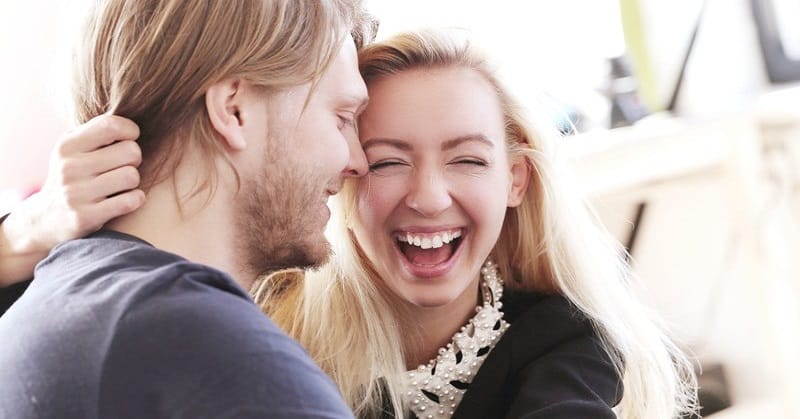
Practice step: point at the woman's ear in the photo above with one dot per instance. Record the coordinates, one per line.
(520, 176)
(223, 103)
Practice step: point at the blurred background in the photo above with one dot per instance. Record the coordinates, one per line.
(682, 126)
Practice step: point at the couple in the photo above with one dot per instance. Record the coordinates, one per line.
(464, 282)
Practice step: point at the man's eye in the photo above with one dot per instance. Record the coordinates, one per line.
(346, 121)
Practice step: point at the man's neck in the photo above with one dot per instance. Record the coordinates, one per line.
(198, 229)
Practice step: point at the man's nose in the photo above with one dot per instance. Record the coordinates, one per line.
(357, 160)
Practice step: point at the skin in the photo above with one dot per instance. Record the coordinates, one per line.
(435, 143)
(284, 210)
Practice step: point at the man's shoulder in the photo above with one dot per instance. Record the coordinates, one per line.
(109, 253)
(183, 300)
(116, 265)
(201, 349)
(164, 296)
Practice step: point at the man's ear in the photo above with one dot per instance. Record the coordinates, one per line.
(520, 176)
(224, 100)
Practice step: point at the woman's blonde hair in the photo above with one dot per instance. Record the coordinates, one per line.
(550, 243)
(153, 60)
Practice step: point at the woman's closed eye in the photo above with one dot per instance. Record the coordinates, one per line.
(383, 165)
(471, 162)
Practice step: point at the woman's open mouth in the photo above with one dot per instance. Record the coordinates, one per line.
(428, 250)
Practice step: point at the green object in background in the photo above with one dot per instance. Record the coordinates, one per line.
(636, 47)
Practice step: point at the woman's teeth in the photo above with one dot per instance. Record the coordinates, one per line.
(429, 241)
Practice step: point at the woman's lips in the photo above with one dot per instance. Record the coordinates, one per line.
(428, 261)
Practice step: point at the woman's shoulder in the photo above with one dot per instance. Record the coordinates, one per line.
(521, 304)
(540, 321)
(550, 362)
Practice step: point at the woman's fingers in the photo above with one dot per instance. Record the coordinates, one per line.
(113, 156)
(113, 182)
(98, 132)
(117, 205)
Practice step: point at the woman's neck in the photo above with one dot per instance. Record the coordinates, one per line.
(436, 326)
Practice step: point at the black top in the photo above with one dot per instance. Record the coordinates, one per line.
(548, 364)
(10, 294)
(112, 327)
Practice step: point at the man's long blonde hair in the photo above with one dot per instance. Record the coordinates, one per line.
(551, 243)
(153, 60)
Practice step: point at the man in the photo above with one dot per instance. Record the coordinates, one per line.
(243, 139)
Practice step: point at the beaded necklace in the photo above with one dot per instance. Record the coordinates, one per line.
(433, 391)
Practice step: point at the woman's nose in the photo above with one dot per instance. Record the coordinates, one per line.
(429, 194)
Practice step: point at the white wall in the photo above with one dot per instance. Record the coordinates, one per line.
(717, 248)
(35, 42)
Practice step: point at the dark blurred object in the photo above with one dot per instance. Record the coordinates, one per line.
(714, 394)
(623, 93)
(10, 294)
(635, 227)
(676, 91)
(781, 67)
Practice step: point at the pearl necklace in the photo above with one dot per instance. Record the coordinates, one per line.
(434, 390)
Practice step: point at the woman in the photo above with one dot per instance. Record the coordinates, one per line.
(465, 209)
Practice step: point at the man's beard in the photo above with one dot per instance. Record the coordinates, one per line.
(278, 221)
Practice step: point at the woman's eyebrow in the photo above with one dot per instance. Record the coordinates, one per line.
(455, 142)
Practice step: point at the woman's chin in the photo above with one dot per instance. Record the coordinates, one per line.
(430, 301)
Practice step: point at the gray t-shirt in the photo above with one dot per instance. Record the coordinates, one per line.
(112, 327)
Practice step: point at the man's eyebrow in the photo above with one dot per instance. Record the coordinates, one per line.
(391, 142)
(455, 142)
(362, 104)
(358, 101)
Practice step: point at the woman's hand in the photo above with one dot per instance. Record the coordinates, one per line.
(93, 177)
